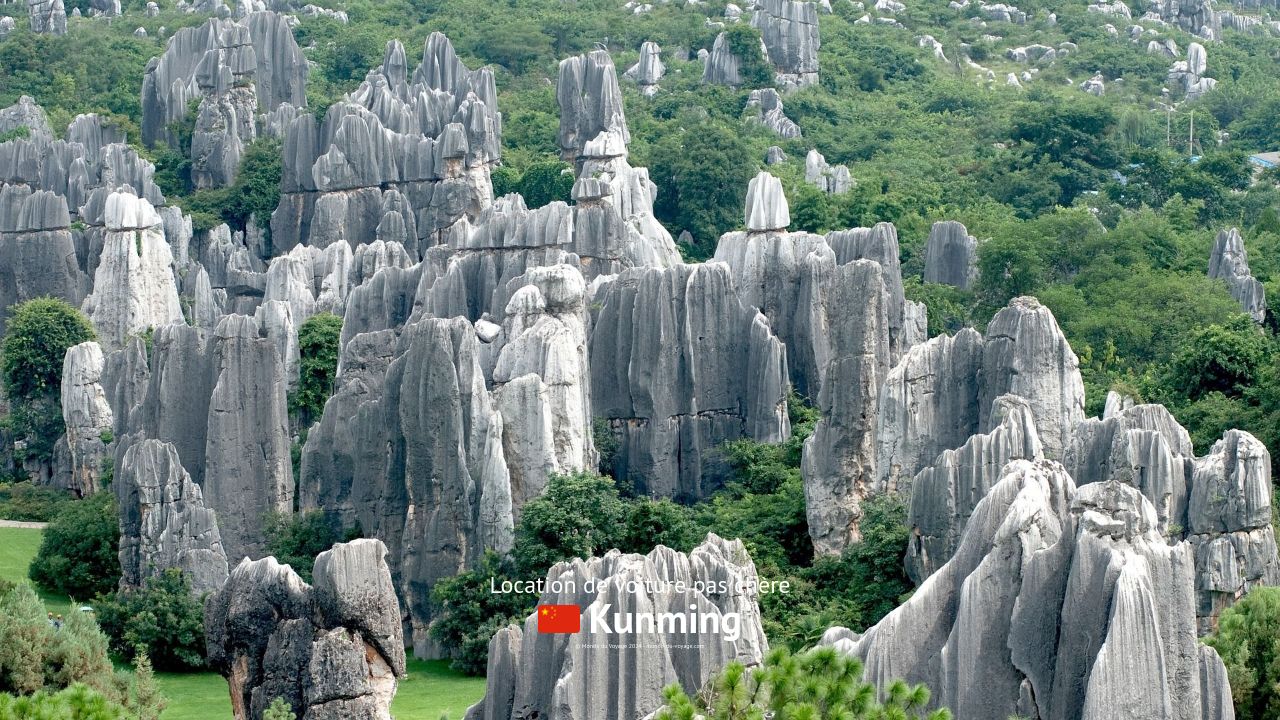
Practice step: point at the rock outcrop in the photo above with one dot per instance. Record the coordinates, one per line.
(39, 250)
(1189, 74)
(1060, 602)
(679, 365)
(134, 289)
(47, 17)
(648, 70)
(942, 391)
(591, 675)
(951, 255)
(418, 145)
(410, 448)
(25, 114)
(1230, 262)
(831, 179)
(769, 113)
(789, 29)
(164, 522)
(87, 417)
(334, 649)
(721, 66)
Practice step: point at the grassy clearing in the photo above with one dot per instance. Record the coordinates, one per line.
(430, 691)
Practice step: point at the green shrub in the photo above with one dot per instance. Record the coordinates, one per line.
(35, 655)
(578, 515)
(78, 702)
(36, 340)
(1248, 639)
(318, 346)
(78, 554)
(29, 502)
(161, 621)
(296, 540)
(467, 613)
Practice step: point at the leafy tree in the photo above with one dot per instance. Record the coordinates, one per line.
(1248, 639)
(1221, 358)
(78, 554)
(319, 341)
(649, 523)
(161, 621)
(38, 334)
(546, 182)
(746, 45)
(146, 702)
(577, 516)
(467, 613)
(34, 655)
(296, 540)
(820, 684)
(30, 502)
(702, 173)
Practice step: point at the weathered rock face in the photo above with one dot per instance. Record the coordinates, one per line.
(47, 16)
(87, 417)
(1230, 262)
(721, 66)
(537, 675)
(769, 113)
(648, 70)
(26, 113)
(1059, 603)
(1189, 74)
(411, 448)
(951, 255)
(943, 391)
(421, 148)
(332, 650)
(766, 204)
(944, 495)
(590, 104)
(679, 365)
(134, 287)
(39, 251)
(831, 179)
(164, 522)
(541, 381)
(789, 29)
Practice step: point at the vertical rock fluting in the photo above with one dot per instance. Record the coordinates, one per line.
(951, 255)
(1058, 603)
(1229, 262)
(679, 365)
(411, 448)
(39, 251)
(164, 522)
(332, 650)
(420, 147)
(648, 70)
(590, 675)
(789, 29)
(134, 289)
(87, 417)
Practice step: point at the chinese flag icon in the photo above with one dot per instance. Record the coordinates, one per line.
(559, 619)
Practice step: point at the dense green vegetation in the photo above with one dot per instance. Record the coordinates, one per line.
(820, 684)
(296, 540)
(161, 621)
(318, 343)
(1248, 639)
(79, 552)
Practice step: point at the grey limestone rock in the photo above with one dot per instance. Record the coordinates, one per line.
(944, 495)
(951, 255)
(47, 17)
(648, 70)
(1230, 262)
(331, 651)
(25, 113)
(545, 675)
(775, 156)
(766, 204)
(721, 66)
(590, 104)
(86, 415)
(1058, 603)
(789, 29)
(831, 179)
(769, 112)
(7, 26)
(679, 365)
(410, 447)
(164, 522)
(38, 247)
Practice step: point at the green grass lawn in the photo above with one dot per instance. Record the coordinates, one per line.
(430, 690)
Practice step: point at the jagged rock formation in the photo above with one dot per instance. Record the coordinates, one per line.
(679, 365)
(831, 179)
(769, 113)
(334, 649)
(721, 66)
(789, 29)
(134, 288)
(1230, 262)
(536, 675)
(39, 251)
(766, 207)
(648, 70)
(942, 391)
(164, 522)
(26, 113)
(1195, 16)
(1059, 603)
(541, 380)
(47, 16)
(944, 495)
(7, 26)
(1189, 74)
(87, 417)
(235, 68)
(1095, 85)
(419, 146)
(951, 255)
(441, 495)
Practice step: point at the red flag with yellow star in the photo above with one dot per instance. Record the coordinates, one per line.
(559, 619)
